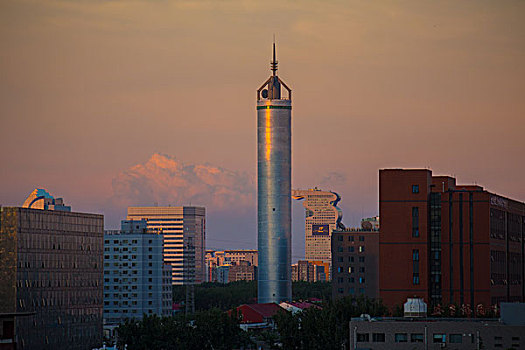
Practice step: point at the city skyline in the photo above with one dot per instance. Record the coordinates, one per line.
(91, 91)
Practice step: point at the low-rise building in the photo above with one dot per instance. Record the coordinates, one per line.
(416, 331)
(295, 307)
(253, 316)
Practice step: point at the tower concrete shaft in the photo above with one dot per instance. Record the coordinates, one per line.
(274, 190)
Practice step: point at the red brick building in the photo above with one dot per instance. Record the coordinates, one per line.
(448, 243)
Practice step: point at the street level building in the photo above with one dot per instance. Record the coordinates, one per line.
(355, 263)
(136, 281)
(274, 171)
(322, 216)
(51, 273)
(448, 243)
(438, 333)
(184, 231)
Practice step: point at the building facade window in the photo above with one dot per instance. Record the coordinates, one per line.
(363, 337)
(416, 337)
(439, 338)
(415, 222)
(415, 278)
(456, 338)
(400, 337)
(415, 188)
(415, 266)
(378, 337)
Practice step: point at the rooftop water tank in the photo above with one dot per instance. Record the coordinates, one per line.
(415, 307)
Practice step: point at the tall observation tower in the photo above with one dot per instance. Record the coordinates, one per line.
(274, 151)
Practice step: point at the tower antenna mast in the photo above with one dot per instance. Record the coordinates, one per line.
(274, 62)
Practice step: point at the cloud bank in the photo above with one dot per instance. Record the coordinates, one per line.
(164, 180)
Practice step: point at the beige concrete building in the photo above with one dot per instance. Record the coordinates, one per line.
(184, 230)
(322, 217)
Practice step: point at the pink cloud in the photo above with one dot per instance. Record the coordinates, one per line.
(164, 180)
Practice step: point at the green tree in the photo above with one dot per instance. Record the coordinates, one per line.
(325, 328)
(211, 329)
(230, 295)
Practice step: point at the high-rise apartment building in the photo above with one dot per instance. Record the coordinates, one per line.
(274, 177)
(355, 263)
(448, 243)
(51, 277)
(322, 216)
(136, 281)
(184, 231)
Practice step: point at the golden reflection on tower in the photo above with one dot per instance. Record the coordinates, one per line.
(268, 134)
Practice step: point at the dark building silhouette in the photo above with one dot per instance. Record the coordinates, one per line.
(355, 263)
(51, 278)
(448, 243)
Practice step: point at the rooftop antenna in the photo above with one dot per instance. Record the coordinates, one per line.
(274, 62)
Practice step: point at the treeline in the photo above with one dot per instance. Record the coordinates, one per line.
(212, 329)
(230, 295)
(314, 328)
(326, 328)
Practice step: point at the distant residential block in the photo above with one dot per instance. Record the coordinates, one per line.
(310, 271)
(218, 265)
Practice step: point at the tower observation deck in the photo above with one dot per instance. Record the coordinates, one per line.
(274, 189)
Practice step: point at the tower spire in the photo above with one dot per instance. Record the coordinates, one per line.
(274, 62)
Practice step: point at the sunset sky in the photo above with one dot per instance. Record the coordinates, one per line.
(117, 103)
